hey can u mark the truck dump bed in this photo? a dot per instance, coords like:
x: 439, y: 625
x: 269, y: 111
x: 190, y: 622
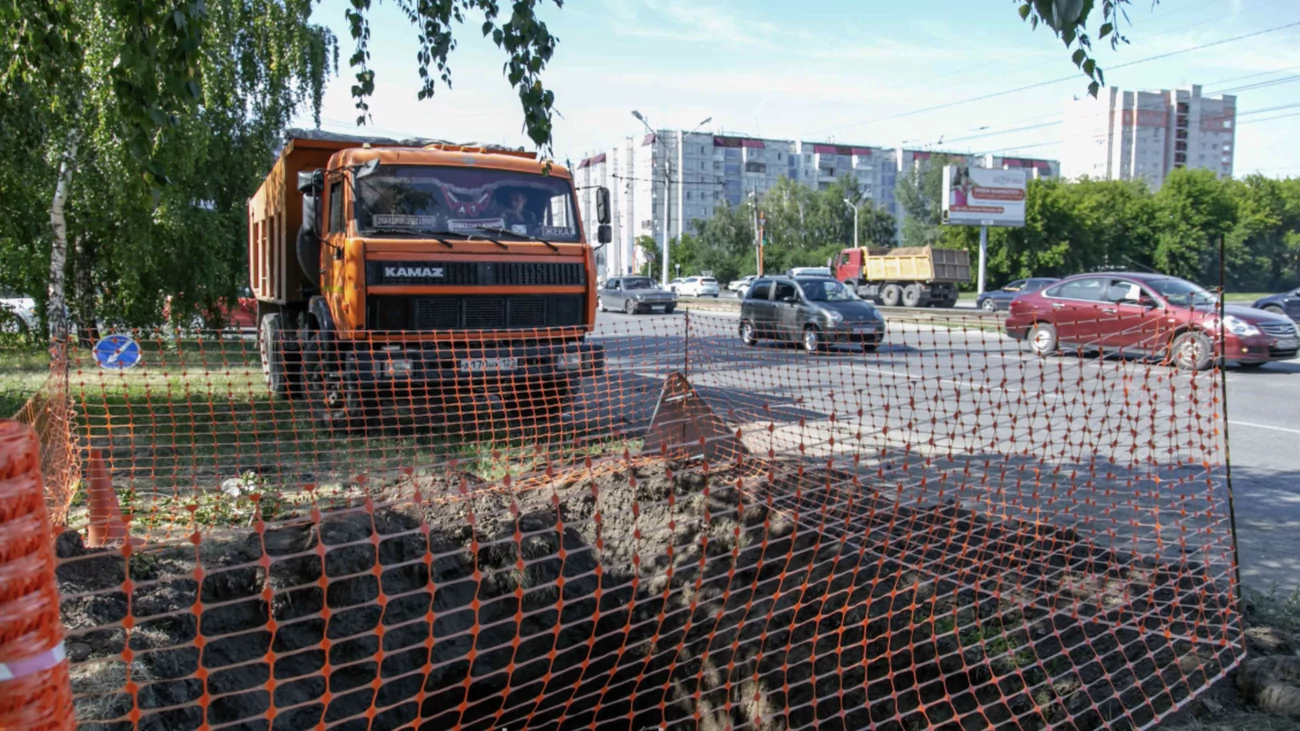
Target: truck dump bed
x: 916, y: 264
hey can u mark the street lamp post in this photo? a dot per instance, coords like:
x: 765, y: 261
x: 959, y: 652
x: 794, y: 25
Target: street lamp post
x: 668, y: 179
x: 856, y: 207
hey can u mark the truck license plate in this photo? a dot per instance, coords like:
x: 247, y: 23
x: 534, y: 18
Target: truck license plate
x: 483, y: 365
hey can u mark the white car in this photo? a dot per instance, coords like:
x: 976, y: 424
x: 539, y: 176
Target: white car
x: 697, y: 287
x: 741, y: 285
x: 17, y: 313
x: 811, y: 272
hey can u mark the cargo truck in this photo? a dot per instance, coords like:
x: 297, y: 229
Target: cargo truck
x: 919, y: 276
x: 419, y: 277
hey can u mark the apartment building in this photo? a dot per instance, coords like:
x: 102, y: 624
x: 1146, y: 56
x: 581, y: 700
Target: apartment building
x: 1144, y: 135
x: 707, y: 170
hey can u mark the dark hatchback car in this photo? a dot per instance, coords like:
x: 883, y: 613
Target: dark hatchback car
x: 1000, y: 299
x: 813, y: 311
x: 1149, y: 315
x: 1287, y: 303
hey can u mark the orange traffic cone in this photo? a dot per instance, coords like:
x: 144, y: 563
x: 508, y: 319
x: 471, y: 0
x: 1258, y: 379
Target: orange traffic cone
x: 106, y: 525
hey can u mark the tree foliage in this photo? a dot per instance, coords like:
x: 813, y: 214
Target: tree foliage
x: 132, y: 238
x: 919, y: 193
x: 1093, y: 224
x: 801, y: 227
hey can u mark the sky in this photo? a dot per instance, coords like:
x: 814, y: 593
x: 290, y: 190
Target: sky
x: 867, y: 73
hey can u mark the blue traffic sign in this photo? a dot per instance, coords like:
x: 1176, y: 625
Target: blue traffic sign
x: 117, y: 352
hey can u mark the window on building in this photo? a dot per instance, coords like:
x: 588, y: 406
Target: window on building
x: 755, y: 167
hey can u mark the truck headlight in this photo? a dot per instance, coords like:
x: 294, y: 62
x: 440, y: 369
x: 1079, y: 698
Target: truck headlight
x: 1238, y: 326
x: 398, y: 367
x: 569, y: 361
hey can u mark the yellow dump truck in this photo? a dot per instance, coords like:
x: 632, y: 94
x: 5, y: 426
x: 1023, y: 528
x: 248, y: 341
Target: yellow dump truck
x: 918, y: 276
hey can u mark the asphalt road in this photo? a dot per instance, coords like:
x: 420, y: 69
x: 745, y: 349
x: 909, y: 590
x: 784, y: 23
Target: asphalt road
x: 1129, y: 441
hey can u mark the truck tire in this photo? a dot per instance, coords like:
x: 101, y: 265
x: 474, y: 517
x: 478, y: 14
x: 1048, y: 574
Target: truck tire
x: 912, y: 295
x: 332, y: 393
x: 270, y: 345
x: 890, y: 294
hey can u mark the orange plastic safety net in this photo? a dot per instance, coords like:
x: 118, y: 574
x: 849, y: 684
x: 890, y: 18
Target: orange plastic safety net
x: 655, y: 525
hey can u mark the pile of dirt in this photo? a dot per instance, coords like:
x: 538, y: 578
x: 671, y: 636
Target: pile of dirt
x: 642, y: 596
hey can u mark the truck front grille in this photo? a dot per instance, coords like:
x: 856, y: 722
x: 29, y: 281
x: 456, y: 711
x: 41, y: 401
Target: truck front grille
x: 474, y: 312
x: 475, y: 274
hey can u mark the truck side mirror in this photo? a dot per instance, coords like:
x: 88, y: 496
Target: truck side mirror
x: 602, y: 207
x: 604, y: 234
x: 311, y: 182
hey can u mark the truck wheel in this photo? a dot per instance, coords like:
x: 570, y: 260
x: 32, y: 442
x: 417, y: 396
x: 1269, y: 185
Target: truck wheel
x: 332, y: 392
x: 270, y: 344
x: 629, y: 307
x: 912, y: 295
x: 890, y: 294
x: 747, y: 334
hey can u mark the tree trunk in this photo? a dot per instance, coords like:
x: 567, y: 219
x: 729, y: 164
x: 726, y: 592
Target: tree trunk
x: 56, y: 305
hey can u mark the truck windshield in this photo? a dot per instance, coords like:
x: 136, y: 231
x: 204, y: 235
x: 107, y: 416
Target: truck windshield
x: 454, y: 200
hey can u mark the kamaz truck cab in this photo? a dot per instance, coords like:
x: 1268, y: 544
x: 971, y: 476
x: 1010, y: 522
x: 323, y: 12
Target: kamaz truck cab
x: 421, y: 276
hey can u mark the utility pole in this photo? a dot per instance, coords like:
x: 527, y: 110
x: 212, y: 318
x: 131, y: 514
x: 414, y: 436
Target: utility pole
x: 668, y: 180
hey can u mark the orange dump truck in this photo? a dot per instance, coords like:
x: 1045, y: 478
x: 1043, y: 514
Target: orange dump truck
x: 420, y: 275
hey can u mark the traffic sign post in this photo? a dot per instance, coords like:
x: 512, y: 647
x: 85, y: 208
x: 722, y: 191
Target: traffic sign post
x: 117, y: 352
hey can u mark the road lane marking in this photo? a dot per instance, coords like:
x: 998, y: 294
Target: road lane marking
x: 1251, y: 425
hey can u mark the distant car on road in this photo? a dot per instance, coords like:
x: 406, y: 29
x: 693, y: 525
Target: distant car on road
x: 810, y: 272
x: 740, y: 285
x: 238, y: 313
x: 813, y: 311
x: 17, y: 313
x: 1148, y: 315
x: 697, y: 287
x: 1000, y: 299
x: 633, y: 295
x: 1287, y: 303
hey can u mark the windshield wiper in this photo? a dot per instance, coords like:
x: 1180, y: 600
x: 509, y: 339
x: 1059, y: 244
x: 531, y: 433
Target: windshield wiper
x: 394, y: 231
x: 523, y: 237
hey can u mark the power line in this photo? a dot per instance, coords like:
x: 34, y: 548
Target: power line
x: 1148, y: 59
x: 1046, y: 143
x: 1054, y: 51
x: 1252, y: 76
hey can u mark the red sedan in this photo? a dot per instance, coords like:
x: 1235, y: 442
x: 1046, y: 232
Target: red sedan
x: 241, y: 314
x: 1150, y: 315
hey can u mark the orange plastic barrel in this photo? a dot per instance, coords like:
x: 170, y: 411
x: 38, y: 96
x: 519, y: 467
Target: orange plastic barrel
x: 34, y: 689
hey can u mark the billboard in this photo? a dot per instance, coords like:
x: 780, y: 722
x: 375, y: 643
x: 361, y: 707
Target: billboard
x: 975, y: 196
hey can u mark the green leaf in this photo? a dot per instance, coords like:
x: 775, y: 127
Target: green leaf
x: 1024, y: 11
x: 1079, y: 57
x: 1105, y: 30
x: 1093, y: 88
